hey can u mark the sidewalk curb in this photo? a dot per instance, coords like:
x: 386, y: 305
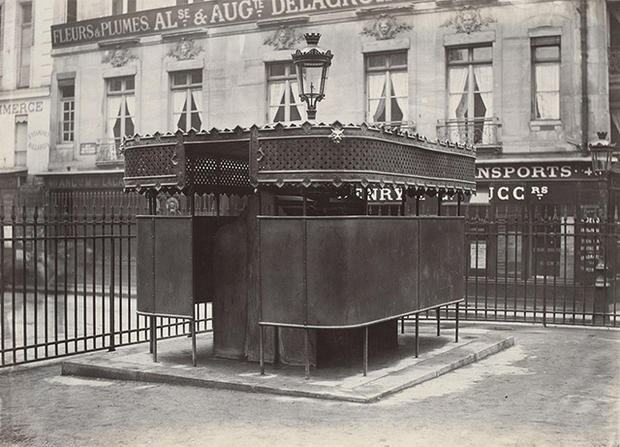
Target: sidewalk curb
x: 70, y: 368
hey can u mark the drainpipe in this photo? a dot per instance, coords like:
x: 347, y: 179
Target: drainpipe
x: 583, y: 8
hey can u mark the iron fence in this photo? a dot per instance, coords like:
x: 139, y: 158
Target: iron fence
x: 68, y: 275
x: 559, y: 270
x: 67, y: 284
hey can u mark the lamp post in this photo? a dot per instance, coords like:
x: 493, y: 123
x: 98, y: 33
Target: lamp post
x: 602, y: 159
x: 311, y: 64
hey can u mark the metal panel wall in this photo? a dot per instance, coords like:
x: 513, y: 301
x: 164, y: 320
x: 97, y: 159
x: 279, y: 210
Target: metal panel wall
x: 442, y: 273
x: 354, y: 270
x: 282, y: 270
x: 361, y: 269
x: 165, y: 265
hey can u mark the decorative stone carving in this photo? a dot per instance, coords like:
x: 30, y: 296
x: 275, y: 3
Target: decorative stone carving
x: 185, y: 49
x: 385, y: 27
x: 284, y: 38
x: 468, y: 20
x: 117, y: 57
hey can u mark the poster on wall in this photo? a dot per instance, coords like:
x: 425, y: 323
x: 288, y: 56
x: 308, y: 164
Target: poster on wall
x: 478, y: 255
x: 7, y: 235
x: 88, y: 149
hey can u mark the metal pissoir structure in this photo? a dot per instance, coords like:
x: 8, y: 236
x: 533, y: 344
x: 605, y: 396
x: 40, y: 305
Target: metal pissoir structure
x: 303, y: 275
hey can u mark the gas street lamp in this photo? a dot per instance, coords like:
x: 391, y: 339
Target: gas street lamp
x: 311, y: 64
x: 602, y: 151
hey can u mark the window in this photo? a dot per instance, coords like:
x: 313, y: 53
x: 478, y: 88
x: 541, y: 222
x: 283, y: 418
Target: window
x: 283, y: 95
x: 23, y: 70
x: 470, y: 93
x: 387, y: 88
x: 71, y: 11
x: 66, y: 91
x: 614, y: 68
x: 546, y: 78
x: 186, y: 91
x: 21, y: 140
x: 123, y: 6
x: 1, y: 36
x: 121, y: 101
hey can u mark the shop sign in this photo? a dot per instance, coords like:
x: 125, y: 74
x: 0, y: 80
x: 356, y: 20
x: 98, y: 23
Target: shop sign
x: 518, y: 193
x: 200, y: 14
x: 530, y: 182
x: 527, y: 172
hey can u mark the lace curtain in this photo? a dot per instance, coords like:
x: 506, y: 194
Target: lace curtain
x: 387, y: 97
x: 457, y: 88
x: 483, y: 75
x: 187, y: 109
x: 547, y: 96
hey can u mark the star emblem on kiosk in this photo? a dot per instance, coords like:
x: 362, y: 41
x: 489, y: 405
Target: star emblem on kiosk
x: 337, y: 135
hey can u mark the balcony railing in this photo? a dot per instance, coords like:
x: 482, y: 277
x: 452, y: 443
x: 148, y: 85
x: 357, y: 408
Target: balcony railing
x: 108, y: 153
x: 408, y: 126
x: 481, y: 132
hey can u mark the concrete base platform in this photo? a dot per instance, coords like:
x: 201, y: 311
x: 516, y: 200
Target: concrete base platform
x: 387, y: 374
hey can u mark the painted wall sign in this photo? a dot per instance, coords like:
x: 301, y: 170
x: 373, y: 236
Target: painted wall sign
x: 18, y: 108
x: 38, y: 140
x: 207, y: 14
x: 377, y: 194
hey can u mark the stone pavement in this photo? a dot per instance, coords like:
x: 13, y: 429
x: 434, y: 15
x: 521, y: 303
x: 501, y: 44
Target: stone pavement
x: 387, y: 374
x: 555, y: 387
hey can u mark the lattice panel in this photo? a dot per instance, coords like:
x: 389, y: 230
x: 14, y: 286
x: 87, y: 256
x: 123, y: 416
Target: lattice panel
x: 359, y: 154
x: 206, y: 171
x: 151, y: 161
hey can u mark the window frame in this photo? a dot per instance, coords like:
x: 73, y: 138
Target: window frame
x: 21, y: 82
x: 387, y: 70
x: 20, y: 120
x: 124, y: 7
x: 288, y: 78
x: 188, y: 87
x: 124, y: 92
x: 545, y: 42
x: 2, y: 14
x: 71, y: 18
x: 66, y: 100
x: 470, y: 63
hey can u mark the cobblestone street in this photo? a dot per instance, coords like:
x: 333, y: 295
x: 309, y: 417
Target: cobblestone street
x: 556, y: 386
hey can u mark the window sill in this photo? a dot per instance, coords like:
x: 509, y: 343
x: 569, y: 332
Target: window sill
x: 538, y: 125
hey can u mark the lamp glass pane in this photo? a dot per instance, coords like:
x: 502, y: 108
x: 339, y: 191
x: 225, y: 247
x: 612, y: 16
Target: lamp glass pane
x: 313, y: 80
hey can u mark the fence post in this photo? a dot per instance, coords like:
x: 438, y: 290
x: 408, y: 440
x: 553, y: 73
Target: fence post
x: 112, y: 273
x: 112, y: 346
x: 599, y: 307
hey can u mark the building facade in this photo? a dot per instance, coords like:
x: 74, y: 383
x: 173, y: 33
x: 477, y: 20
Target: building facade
x: 528, y: 82
x: 25, y: 75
